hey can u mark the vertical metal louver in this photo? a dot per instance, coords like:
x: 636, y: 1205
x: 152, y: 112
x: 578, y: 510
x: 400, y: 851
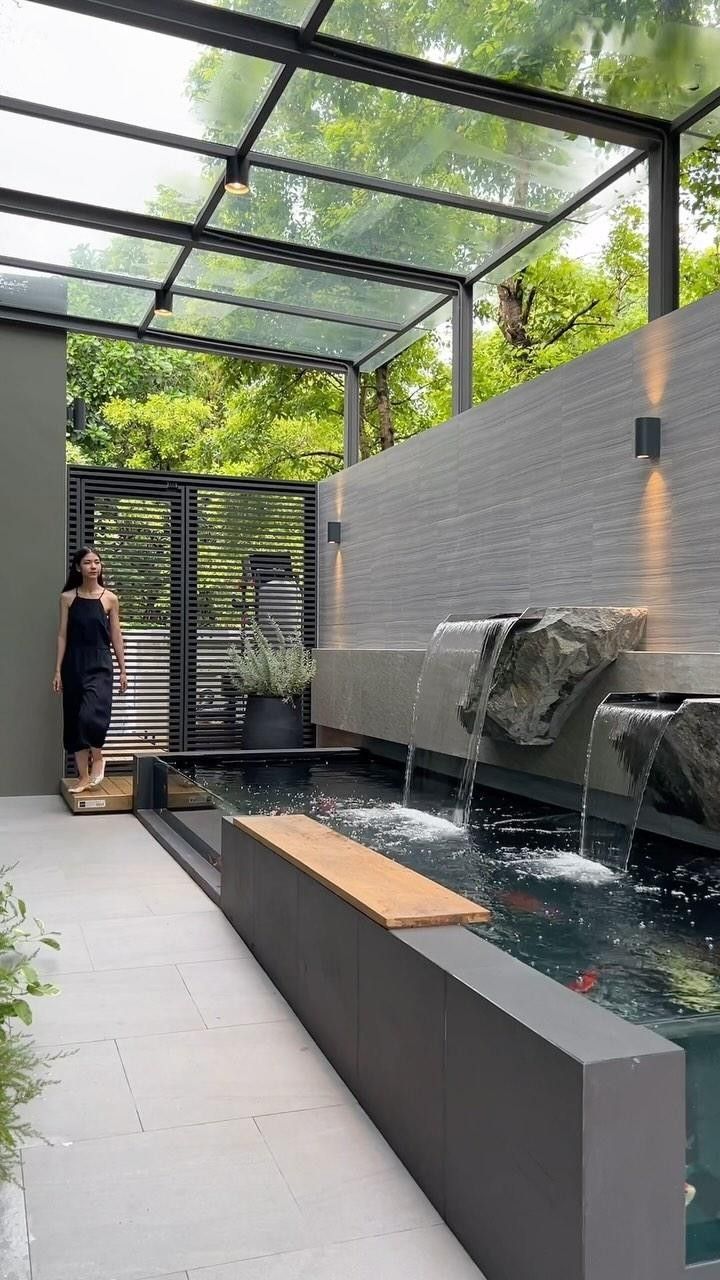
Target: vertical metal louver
x: 193, y: 559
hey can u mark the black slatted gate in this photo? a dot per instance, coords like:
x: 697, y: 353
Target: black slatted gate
x: 193, y: 558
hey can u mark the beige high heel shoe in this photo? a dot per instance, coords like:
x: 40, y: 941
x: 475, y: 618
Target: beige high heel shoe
x: 97, y: 782
x: 83, y: 784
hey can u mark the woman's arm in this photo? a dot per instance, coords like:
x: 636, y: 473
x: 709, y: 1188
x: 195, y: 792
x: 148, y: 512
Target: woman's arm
x: 61, y: 644
x: 117, y: 641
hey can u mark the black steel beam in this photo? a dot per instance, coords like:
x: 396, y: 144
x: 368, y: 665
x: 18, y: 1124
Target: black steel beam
x: 175, y: 341
x: 115, y: 128
x: 664, y: 228
x: 563, y: 214
x: 351, y: 451
x: 693, y: 115
x: 148, y: 227
x: 79, y: 273
x: 462, y: 350
x: 364, y: 181
x: 259, y: 37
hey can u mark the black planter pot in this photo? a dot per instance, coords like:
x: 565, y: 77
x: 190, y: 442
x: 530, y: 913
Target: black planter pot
x: 272, y: 725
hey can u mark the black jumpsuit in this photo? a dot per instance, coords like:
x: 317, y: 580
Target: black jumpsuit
x: 87, y: 675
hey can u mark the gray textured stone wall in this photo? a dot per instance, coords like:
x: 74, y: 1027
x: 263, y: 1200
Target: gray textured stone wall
x: 536, y: 499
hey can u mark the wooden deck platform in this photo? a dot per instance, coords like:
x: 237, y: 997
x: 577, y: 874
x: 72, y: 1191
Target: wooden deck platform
x: 392, y: 895
x: 114, y: 795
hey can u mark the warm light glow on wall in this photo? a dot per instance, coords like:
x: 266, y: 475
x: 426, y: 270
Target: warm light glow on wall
x: 654, y: 359
x: 655, y: 533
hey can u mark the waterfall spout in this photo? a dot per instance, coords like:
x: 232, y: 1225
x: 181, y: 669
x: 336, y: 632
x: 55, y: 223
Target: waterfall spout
x: 457, y: 672
x: 624, y: 740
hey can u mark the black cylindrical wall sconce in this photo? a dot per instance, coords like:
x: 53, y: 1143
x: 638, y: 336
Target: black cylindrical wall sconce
x: 77, y: 417
x: 334, y: 531
x: 647, y: 438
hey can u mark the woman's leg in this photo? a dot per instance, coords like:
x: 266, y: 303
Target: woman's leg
x: 97, y: 770
x: 82, y: 761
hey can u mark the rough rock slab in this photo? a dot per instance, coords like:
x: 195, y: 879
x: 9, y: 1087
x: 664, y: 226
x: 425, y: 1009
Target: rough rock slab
x: 548, y: 666
x: 685, y: 777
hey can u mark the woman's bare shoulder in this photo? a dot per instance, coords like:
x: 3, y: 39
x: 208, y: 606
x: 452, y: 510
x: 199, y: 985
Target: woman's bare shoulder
x: 111, y: 598
x: 67, y: 596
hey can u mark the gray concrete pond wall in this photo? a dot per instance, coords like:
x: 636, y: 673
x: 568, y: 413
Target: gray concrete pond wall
x: 547, y: 1132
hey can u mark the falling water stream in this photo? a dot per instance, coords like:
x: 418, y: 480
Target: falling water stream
x: 454, y: 685
x: 624, y: 742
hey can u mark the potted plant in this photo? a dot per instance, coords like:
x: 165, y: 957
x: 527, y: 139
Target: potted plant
x: 272, y: 674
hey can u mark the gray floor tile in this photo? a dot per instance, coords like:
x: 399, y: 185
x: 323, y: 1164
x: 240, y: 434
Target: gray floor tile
x: 343, y: 1175
x: 430, y: 1253
x: 204, y: 1076
x: 89, y: 1097
x: 174, y: 897
x: 200, y: 935
x: 105, y: 1006
x: 234, y: 992
x: 14, y: 1253
x: 131, y: 1207
x: 90, y: 903
x: 73, y: 956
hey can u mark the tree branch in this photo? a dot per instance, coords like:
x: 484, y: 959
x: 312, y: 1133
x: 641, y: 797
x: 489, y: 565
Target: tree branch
x: 572, y: 321
x: 316, y: 453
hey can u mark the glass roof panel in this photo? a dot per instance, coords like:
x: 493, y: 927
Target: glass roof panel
x: 317, y: 290
x: 363, y: 129
x: 708, y: 126
x: 224, y: 322
x: 39, y: 291
x: 83, y: 64
x: 365, y: 223
x: 39, y: 240
x: 632, y: 56
x: 291, y: 11
x: 443, y: 316
x: 584, y: 239
x: 77, y: 164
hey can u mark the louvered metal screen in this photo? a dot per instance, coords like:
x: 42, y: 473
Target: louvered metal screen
x: 193, y: 559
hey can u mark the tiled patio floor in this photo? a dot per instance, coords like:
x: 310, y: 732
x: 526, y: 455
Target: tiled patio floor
x: 195, y: 1129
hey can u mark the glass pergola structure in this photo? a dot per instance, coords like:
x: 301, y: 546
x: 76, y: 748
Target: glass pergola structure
x: 394, y: 162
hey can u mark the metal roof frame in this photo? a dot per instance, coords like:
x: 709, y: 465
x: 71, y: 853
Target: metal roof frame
x: 304, y: 48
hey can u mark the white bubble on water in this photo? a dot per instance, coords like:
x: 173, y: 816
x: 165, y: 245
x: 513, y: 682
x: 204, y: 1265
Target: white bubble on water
x: 561, y: 865
x: 414, y: 824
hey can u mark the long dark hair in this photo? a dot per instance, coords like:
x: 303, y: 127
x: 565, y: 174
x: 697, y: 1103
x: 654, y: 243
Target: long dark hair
x: 74, y: 578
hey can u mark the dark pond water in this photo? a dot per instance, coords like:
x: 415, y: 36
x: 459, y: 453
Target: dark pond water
x: 645, y: 943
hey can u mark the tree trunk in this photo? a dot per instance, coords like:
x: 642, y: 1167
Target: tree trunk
x: 514, y: 308
x: 365, y: 439
x: 384, y: 410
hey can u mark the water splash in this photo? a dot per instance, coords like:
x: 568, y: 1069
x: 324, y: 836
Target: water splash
x: 455, y: 681
x: 624, y: 742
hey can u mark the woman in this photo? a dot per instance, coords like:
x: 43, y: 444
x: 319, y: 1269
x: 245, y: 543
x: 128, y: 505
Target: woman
x: 89, y: 625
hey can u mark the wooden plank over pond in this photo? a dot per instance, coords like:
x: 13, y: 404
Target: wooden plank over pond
x: 392, y: 895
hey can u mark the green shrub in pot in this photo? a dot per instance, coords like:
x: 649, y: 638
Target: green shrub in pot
x: 272, y: 674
